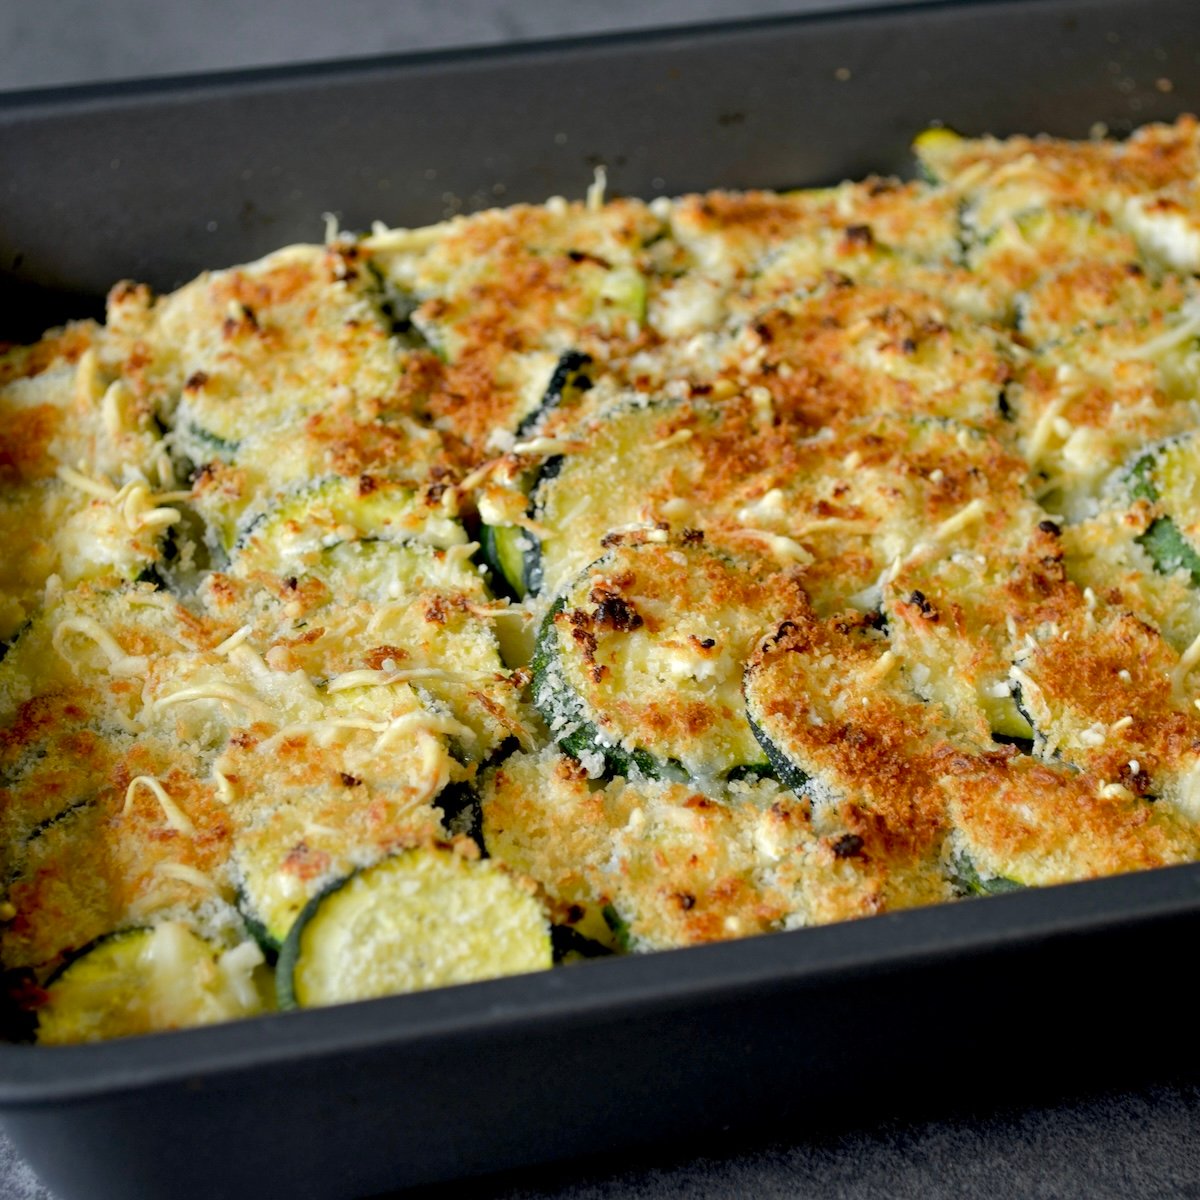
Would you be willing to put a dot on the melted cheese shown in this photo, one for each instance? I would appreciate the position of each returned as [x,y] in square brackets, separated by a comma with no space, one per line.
[878,466]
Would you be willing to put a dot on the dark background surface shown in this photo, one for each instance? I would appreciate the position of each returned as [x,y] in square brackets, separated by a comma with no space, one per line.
[1139,1140]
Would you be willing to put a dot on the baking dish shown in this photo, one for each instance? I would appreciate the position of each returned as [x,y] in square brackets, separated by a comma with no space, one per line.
[156,181]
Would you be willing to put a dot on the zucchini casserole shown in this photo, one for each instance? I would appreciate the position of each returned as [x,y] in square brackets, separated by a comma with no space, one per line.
[593,578]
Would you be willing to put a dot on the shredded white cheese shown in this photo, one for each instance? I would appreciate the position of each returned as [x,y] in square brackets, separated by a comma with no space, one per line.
[176,817]
[225,693]
[119,663]
[186,874]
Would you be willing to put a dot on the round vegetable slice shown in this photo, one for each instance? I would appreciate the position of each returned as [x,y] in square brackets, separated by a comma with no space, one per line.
[624,461]
[293,532]
[421,919]
[873,348]
[1081,297]
[639,664]
[830,705]
[148,980]
[1017,821]
[1028,246]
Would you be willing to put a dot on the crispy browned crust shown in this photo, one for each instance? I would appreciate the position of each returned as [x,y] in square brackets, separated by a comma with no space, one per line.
[853,462]
[816,689]
[858,350]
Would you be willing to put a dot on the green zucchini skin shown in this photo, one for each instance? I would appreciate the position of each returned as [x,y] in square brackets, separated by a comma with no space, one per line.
[7,644]
[396,306]
[72,809]
[534,568]
[150,575]
[289,951]
[572,377]
[73,956]
[556,699]
[621,932]
[202,445]
[786,771]
[967,880]
[504,553]
[1023,709]
[754,771]
[256,927]
[462,813]
[513,553]
[1141,479]
[1023,744]
[1169,549]
[435,919]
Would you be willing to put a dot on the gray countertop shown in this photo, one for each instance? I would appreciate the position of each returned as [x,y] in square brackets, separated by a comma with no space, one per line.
[1138,1142]
[1135,1143]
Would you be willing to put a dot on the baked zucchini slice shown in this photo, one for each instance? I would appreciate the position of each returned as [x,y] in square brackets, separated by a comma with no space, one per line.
[85,494]
[639,662]
[602,482]
[946,620]
[567,716]
[421,919]
[1166,227]
[382,571]
[259,347]
[1027,246]
[52,765]
[999,179]
[148,980]
[431,606]
[1078,298]
[307,818]
[836,718]
[948,607]
[744,250]
[640,864]
[1105,554]
[937,151]
[1106,693]
[511,551]
[1017,821]
[869,349]
[946,601]
[625,456]
[298,527]
[533,820]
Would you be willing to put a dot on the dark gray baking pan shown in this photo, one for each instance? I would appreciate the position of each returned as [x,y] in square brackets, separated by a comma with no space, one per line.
[155,181]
